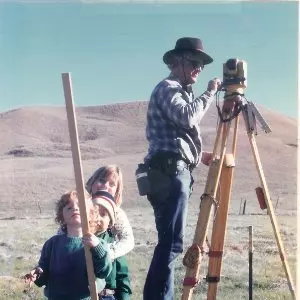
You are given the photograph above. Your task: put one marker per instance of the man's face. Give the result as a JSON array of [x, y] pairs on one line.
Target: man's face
[[190, 70]]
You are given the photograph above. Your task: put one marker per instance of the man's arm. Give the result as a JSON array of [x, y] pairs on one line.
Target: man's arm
[[171, 100]]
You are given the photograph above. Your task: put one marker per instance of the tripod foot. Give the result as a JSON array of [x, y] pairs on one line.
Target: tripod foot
[[192, 257]]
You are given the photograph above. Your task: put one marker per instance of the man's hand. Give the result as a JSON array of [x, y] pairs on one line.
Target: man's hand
[[206, 158], [213, 85], [90, 240]]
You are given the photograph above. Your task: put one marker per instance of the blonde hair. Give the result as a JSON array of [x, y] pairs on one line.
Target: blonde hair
[[109, 172]]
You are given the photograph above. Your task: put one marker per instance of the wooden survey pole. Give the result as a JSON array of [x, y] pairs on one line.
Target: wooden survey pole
[[67, 85]]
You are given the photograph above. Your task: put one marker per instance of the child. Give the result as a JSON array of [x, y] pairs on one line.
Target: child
[[62, 265], [120, 236], [110, 178], [117, 283]]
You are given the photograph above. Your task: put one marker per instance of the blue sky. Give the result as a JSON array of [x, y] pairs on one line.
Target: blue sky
[[114, 51]]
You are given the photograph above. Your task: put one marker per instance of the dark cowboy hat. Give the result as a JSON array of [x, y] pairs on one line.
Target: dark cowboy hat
[[191, 45]]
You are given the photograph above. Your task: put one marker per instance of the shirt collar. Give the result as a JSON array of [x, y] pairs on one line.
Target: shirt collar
[[188, 88]]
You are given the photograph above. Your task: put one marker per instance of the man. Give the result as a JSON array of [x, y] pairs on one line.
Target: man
[[175, 149]]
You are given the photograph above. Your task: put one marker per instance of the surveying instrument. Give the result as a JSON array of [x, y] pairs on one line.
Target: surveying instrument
[[219, 182]]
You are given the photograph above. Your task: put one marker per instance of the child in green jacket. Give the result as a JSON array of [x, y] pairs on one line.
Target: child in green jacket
[[62, 265], [117, 283]]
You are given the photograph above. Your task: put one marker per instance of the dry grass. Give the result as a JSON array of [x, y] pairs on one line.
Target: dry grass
[[21, 250], [37, 168]]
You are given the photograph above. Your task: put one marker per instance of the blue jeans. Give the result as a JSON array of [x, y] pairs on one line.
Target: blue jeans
[[107, 298], [170, 211]]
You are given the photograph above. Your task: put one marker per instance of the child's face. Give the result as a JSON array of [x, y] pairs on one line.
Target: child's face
[[103, 219], [108, 185], [71, 213]]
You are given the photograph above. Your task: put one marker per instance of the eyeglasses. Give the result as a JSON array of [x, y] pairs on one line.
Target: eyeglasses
[[196, 64]]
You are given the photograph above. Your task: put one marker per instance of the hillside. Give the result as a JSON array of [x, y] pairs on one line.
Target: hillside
[[37, 166]]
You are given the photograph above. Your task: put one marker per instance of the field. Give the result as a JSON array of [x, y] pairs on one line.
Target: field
[[19, 254], [37, 168]]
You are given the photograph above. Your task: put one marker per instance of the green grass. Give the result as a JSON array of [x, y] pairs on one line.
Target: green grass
[[20, 248], [15, 289]]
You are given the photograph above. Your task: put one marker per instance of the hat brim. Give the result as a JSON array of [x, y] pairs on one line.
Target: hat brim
[[196, 55]]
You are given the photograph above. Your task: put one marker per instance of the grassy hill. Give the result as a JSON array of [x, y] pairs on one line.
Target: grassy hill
[[37, 168]]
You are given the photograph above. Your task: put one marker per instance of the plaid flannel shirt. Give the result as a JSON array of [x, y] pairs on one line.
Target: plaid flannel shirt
[[173, 119]]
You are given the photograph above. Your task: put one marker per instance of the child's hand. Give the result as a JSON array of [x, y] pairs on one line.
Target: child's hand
[[33, 275], [90, 240]]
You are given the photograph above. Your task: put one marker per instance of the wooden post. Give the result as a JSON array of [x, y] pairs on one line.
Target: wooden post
[[250, 262], [240, 211], [39, 206], [244, 208], [66, 79], [276, 203]]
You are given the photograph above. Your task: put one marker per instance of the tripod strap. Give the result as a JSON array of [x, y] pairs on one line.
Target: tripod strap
[[215, 253], [190, 281], [214, 201], [237, 109], [212, 278]]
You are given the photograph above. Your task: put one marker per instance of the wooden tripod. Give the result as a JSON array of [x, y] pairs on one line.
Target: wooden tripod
[[220, 174]]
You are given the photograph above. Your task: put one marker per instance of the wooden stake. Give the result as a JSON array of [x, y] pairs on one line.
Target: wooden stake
[[276, 203], [250, 262], [240, 211], [67, 85], [244, 207]]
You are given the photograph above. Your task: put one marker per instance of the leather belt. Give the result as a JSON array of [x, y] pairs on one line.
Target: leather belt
[[163, 159]]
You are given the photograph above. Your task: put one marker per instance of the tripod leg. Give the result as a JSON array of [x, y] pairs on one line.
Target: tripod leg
[[271, 213], [220, 222], [193, 256], [219, 228]]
